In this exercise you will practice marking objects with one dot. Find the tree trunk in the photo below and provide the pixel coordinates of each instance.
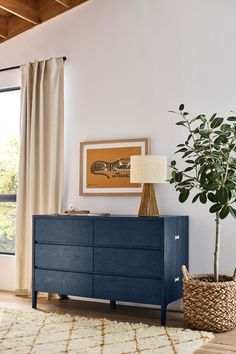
(217, 248)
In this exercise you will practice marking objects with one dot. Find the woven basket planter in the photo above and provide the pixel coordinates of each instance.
(208, 305)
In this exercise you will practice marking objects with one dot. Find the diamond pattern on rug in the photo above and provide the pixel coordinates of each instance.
(37, 332)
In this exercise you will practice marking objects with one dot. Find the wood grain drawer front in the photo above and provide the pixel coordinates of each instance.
(75, 258)
(127, 261)
(146, 291)
(132, 233)
(63, 282)
(64, 230)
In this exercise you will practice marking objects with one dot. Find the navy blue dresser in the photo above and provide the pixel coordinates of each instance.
(124, 258)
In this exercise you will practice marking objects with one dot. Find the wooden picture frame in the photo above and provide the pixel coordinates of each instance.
(105, 166)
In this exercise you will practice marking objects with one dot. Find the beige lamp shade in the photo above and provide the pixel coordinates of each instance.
(148, 169)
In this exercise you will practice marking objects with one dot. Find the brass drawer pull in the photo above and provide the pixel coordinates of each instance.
(176, 237)
(176, 279)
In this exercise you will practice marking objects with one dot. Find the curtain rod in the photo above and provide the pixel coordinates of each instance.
(18, 66)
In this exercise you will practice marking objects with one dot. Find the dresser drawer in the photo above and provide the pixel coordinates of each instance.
(63, 230)
(63, 282)
(127, 261)
(129, 233)
(75, 258)
(146, 291)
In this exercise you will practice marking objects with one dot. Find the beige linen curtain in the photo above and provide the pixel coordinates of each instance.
(40, 183)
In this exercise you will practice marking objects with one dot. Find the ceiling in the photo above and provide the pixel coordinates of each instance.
(17, 16)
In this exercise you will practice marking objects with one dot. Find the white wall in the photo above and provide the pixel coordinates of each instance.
(129, 62)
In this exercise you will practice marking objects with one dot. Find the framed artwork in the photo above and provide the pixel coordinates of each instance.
(105, 166)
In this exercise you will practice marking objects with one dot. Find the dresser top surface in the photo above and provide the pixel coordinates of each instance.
(112, 216)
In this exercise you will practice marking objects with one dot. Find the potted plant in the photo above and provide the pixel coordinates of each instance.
(209, 155)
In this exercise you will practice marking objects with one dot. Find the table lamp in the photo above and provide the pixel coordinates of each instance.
(148, 169)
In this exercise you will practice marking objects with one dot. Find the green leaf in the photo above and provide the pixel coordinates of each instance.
(212, 117)
(200, 160)
(180, 145)
(173, 163)
(225, 127)
(215, 207)
(185, 113)
(173, 174)
(189, 161)
(231, 183)
(196, 197)
(181, 107)
(181, 122)
(212, 197)
(202, 117)
(224, 212)
(205, 133)
(183, 195)
(189, 137)
(204, 167)
(219, 132)
(203, 178)
(213, 185)
(178, 177)
(216, 122)
(181, 150)
(187, 154)
(189, 169)
(186, 183)
(217, 153)
(222, 195)
(223, 139)
(231, 119)
(217, 141)
(203, 198)
(232, 211)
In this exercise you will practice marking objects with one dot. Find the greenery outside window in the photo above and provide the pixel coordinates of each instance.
(9, 160)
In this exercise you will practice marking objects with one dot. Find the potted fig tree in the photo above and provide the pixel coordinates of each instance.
(209, 156)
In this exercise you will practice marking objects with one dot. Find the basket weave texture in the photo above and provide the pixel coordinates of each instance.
(208, 305)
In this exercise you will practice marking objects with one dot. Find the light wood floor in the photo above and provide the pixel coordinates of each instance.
(224, 343)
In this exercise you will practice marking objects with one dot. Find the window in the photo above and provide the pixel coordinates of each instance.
(9, 160)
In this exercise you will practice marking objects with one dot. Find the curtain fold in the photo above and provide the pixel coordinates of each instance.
(40, 184)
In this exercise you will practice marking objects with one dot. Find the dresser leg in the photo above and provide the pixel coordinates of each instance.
(63, 297)
(163, 314)
(112, 304)
(34, 299)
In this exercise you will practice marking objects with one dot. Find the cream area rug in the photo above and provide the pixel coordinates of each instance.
(37, 332)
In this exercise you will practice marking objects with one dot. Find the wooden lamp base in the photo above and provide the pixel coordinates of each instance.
(148, 204)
